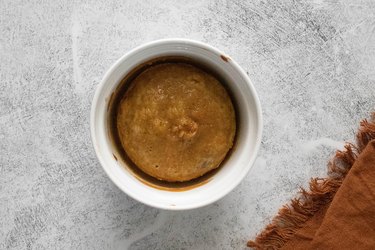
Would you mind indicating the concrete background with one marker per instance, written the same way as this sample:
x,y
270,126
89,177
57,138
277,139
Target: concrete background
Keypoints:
x,y
312,63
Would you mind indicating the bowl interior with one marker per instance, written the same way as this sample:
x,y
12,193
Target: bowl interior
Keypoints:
x,y
248,135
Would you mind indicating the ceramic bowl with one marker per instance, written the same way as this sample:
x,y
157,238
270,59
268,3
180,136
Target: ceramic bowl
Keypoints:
x,y
249,125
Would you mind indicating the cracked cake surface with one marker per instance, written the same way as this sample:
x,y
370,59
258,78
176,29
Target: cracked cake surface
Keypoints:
x,y
176,122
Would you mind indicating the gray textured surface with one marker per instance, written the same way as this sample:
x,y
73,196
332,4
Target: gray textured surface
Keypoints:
x,y
312,64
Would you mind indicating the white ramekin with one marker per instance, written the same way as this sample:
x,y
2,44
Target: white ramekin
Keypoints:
x,y
248,137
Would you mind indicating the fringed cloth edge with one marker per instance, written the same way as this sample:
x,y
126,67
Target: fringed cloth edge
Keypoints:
x,y
291,217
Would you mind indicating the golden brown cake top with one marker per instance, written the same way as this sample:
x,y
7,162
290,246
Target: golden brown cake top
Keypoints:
x,y
176,122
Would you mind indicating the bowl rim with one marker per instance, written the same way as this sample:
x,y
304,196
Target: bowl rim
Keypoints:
x,y
110,71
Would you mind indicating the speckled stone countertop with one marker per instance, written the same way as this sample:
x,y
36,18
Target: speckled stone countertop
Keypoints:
x,y
312,63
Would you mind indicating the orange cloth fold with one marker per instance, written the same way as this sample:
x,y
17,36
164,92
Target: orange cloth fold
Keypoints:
x,y
349,222
337,212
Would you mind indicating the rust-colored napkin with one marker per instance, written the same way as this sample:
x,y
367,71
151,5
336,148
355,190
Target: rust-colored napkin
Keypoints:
x,y
337,212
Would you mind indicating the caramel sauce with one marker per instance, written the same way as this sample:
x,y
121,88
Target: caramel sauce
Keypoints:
x,y
118,151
